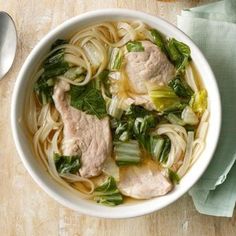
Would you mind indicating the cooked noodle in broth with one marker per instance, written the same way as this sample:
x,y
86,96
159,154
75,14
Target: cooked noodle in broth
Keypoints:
x,y
118,111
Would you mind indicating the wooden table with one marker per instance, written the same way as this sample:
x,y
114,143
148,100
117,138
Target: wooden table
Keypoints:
x,y
27,210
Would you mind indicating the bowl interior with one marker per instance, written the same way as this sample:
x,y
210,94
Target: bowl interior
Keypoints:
x,y
35,167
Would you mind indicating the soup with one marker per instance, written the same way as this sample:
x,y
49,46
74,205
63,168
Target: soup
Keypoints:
x,y
117,112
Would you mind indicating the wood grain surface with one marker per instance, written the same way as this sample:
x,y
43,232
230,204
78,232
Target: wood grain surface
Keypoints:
x,y
25,209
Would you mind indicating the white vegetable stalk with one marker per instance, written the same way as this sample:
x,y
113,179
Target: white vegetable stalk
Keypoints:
x,y
115,59
111,169
178,136
175,150
93,54
74,72
188,116
114,108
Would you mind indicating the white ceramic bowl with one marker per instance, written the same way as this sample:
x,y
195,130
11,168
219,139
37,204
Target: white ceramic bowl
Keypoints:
x,y
36,169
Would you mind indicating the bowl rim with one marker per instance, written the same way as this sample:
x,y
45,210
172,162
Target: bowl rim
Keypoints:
x,y
17,90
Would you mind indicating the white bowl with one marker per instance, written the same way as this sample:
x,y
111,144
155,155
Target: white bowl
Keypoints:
x,y
35,167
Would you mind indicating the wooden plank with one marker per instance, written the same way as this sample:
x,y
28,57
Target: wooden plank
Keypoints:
x,y
24,208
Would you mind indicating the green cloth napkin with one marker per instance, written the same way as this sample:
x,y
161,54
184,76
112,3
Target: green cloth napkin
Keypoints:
x,y
213,28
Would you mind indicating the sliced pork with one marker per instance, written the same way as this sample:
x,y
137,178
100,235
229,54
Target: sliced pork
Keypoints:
x,y
150,67
143,182
83,134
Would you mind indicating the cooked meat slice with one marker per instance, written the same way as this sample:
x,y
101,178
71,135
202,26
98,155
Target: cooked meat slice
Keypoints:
x,y
148,67
83,133
143,182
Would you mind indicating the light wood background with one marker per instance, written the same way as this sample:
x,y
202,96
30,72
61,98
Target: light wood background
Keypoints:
x,y
27,210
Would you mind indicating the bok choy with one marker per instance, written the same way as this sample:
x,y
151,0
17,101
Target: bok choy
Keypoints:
x,y
127,153
165,99
105,82
115,59
158,39
53,66
75,73
114,108
134,46
124,130
179,54
173,176
158,147
188,116
198,101
166,149
142,127
134,123
174,119
94,55
108,193
67,164
155,146
181,88
88,99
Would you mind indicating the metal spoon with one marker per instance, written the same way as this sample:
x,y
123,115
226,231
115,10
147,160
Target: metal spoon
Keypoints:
x,y
8,42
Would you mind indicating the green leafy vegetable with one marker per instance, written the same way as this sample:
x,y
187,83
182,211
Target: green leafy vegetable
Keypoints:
x,y
133,130
103,75
166,149
158,39
189,117
182,48
142,127
158,147
180,87
88,99
104,80
135,123
190,128
124,130
93,54
165,100
134,46
174,55
75,73
154,146
108,193
44,89
198,101
174,119
137,111
53,66
58,42
114,108
115,59
173,176
179,53
67,164
127,153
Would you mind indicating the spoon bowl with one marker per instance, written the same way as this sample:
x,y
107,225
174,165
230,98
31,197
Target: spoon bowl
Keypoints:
x,y
8,43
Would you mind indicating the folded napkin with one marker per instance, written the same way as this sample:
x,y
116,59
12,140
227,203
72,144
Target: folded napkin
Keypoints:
x,y
213,28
